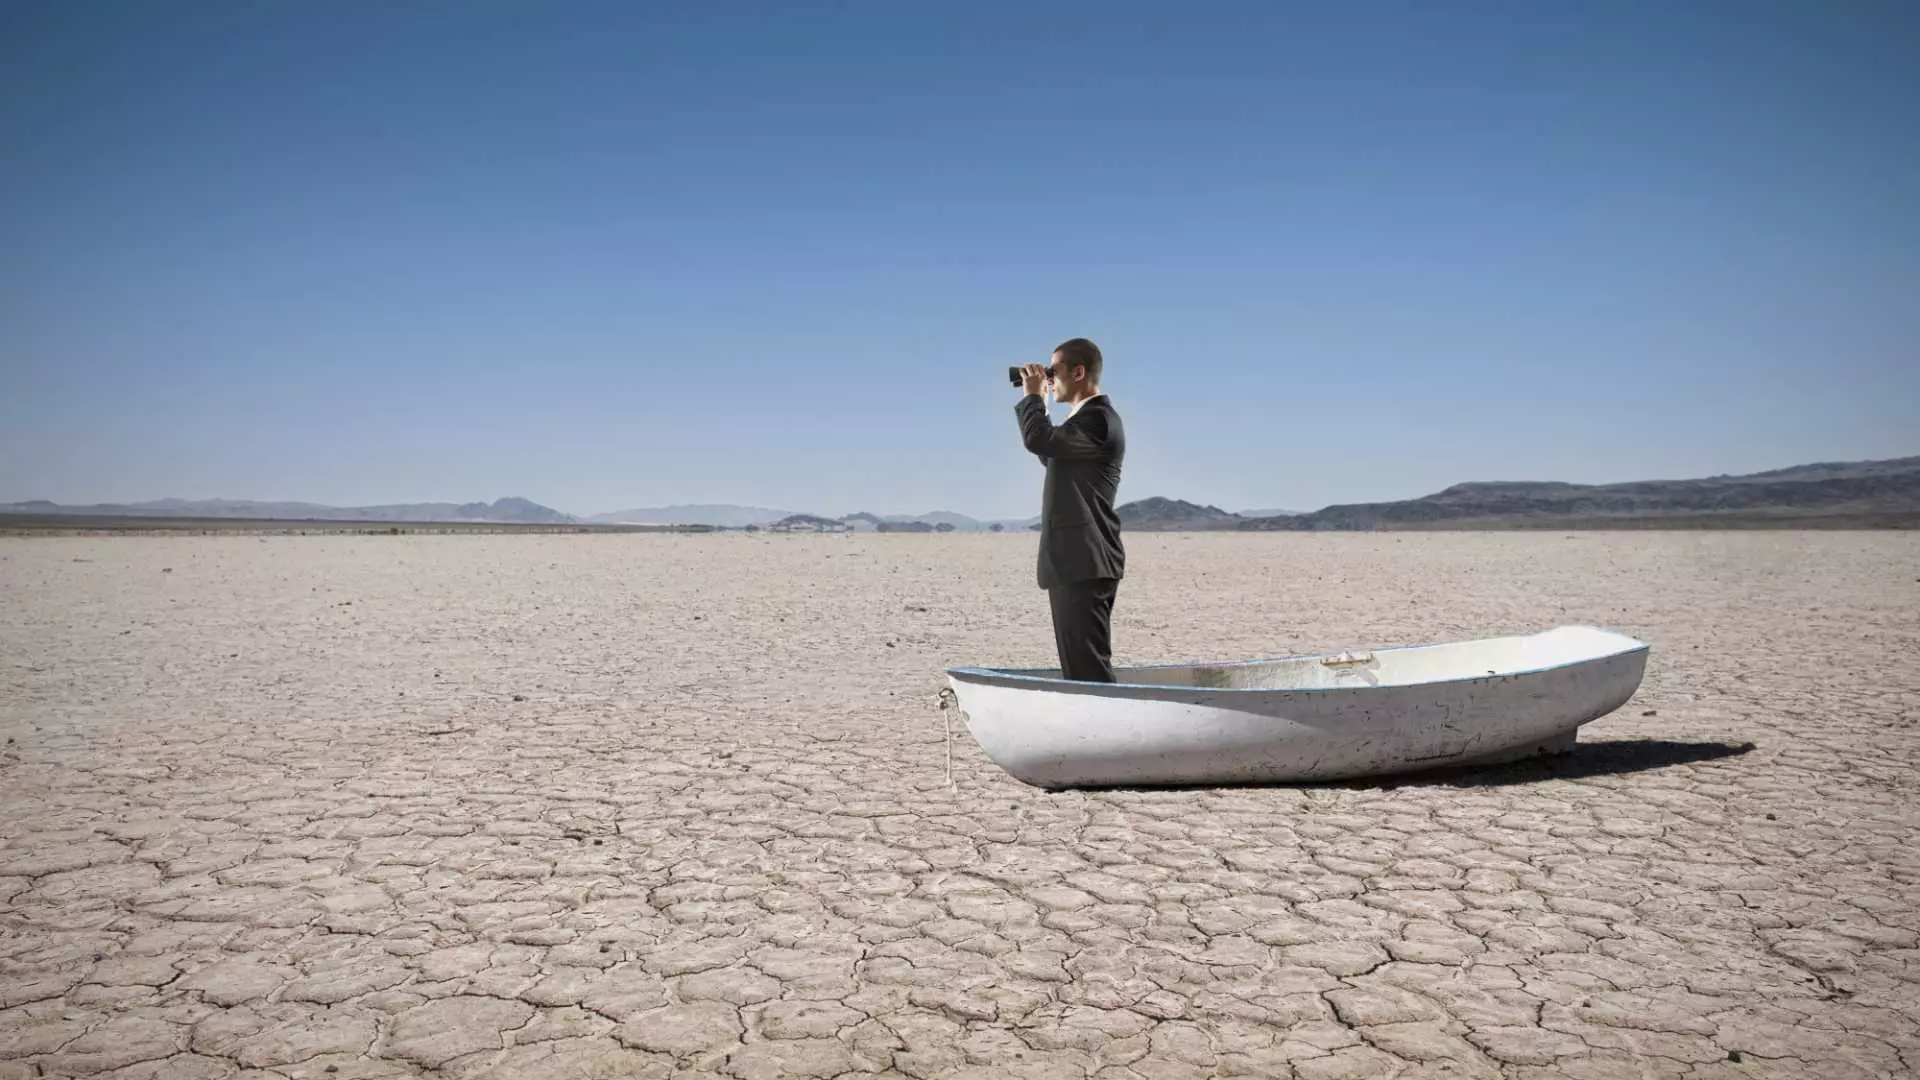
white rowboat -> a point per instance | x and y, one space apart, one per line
1302 718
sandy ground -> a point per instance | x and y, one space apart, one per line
648 806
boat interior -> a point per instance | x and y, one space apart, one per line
1398 666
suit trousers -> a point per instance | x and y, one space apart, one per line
1083 628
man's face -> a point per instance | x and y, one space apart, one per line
1062 373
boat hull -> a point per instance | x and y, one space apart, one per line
1054 733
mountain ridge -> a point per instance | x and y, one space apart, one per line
717 514
511 509
1869 492
1877 492
1160 514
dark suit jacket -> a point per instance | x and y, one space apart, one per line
1079 530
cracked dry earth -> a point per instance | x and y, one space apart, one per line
653 806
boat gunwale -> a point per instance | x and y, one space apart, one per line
988 675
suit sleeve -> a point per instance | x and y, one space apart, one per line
1082 437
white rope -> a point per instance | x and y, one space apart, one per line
948 702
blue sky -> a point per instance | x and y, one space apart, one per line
606 255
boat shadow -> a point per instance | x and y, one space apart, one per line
1614 757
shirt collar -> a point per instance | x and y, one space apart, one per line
1082 401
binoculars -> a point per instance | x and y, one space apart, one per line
1013 376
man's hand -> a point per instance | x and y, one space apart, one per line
1034 379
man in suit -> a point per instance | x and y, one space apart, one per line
1081 556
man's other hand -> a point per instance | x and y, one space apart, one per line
1034 379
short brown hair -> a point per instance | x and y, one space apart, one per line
1083 352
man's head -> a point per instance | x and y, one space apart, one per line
1076 370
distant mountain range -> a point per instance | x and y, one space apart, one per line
1158 514
1863 493
1143 514
511 510
1867 493
865 522
727 516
